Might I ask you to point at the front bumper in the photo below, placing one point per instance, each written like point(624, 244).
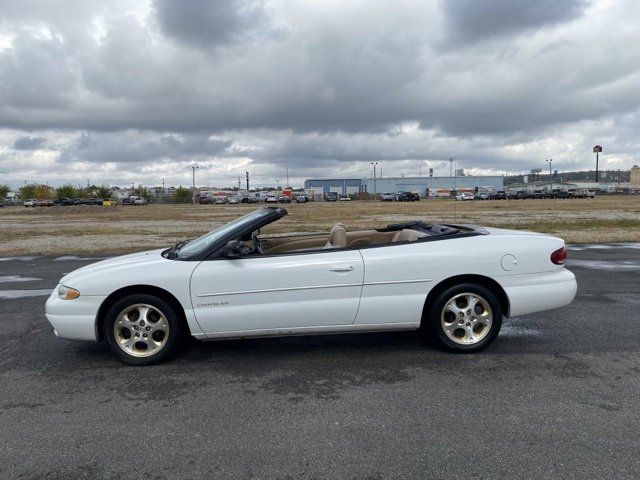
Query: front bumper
point(74, 319)
point(539, 291)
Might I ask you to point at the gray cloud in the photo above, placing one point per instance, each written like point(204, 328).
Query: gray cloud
point(320, 87)
point(29, 143)
point(472, 20)
point(140, 147)
point(210, 24)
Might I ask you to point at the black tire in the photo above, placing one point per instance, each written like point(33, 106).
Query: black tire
point(171, 343)
point(435, 325)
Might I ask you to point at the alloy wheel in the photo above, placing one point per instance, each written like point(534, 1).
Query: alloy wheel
point(141, 330)
point(466, 318)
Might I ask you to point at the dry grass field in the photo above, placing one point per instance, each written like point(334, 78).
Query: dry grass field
point(96, 229)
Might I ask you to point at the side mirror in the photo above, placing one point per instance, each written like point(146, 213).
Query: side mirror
point(231, 249)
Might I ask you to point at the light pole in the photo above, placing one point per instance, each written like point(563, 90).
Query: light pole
point(194, 167)
point(375, 192)
point(597, 149)
point(550, 179)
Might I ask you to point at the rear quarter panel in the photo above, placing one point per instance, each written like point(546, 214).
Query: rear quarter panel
point(398, 277)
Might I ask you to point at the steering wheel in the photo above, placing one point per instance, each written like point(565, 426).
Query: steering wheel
point(259, 249)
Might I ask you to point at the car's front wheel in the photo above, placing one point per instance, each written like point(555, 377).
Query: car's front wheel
point(142, 329)
point(465, 318)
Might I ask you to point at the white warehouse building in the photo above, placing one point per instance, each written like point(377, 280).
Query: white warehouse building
point(422, 185)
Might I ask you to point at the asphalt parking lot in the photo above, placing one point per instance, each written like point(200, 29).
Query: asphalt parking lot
point(556, 396)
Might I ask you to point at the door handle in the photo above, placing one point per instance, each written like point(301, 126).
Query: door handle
point(350, 268)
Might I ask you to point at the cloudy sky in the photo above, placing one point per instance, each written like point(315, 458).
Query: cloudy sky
point(137, 91)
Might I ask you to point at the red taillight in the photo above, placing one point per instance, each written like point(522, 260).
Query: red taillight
point(559, 256)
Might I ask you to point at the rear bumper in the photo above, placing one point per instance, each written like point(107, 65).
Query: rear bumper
point(74, 319)
point(538, 292)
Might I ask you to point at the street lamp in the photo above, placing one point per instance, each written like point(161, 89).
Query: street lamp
point(597, 149)
point(194, 167)
point(550, 178)
point(375, 191)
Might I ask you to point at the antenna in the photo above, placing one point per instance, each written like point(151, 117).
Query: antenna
point(455, 189)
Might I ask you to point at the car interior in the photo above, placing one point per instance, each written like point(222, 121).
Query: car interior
point(337, 237)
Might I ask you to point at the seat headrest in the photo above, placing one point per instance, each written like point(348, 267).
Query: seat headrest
point(407, 235)
point(337, 237)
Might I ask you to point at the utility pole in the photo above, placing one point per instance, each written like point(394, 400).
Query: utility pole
point(239, 183)
point(287, 177)
point(247, 174)
point(163, 184)
point(451, 166)
point(194, 167)
point(550, 178)
point(374, 164)
point(597, 149)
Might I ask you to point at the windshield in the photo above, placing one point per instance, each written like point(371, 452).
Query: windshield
point(200, 244)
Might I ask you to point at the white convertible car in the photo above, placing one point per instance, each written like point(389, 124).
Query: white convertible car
point(455, 281)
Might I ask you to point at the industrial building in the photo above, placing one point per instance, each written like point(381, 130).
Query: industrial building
point(423, 185)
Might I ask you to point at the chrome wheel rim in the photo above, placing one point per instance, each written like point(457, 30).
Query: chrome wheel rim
point(466, 318)
point(141, 330)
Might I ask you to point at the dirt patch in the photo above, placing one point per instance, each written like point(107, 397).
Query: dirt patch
point(95, 229)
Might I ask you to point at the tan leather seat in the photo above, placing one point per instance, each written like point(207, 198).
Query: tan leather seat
point(337, 237)
point(407, 235)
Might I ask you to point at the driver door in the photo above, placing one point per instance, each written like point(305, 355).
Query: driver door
point(265, 292)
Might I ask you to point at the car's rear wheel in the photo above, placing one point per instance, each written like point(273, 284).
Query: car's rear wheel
point(465, 318)
point(142, 329)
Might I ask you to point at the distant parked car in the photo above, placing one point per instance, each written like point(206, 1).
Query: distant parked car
point(538, 194)
point(284, 199)
point(108, 202)
point(331, 197)
point(62, 201)
point(205, 200)
point(345, 198)
point(126, 201)
point(498, 195)
point(482, 196)
point(270, 199)
point(408, 197)
point(559, 193)
point(137, 200)
point(387, 197)
point(232, 200)
point(524, 194)
point(302, 198)
point(30, 202)
point(463, 196)
point(590, 193)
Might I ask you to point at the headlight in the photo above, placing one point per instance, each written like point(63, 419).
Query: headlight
point(67, 293)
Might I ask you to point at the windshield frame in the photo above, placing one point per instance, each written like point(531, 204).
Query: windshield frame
point(208, 244)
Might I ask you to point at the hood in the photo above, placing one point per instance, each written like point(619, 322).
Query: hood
point(114, 264)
